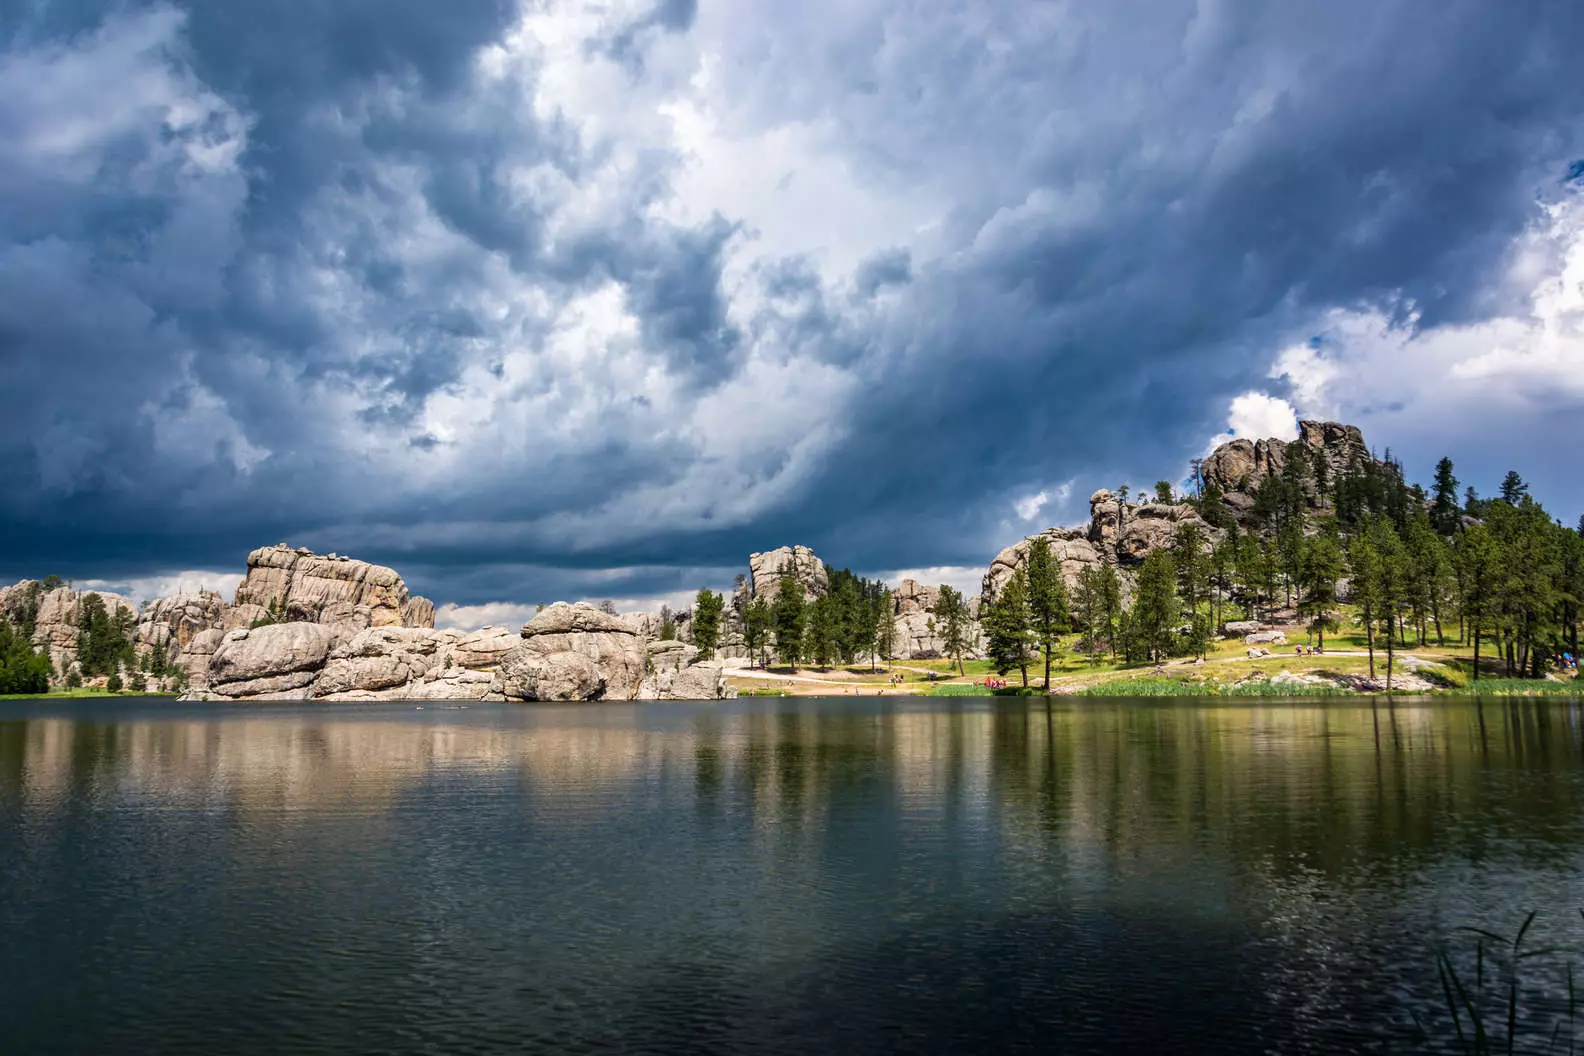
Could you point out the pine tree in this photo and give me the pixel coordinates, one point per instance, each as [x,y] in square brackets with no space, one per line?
[1155,611]
[1321,567]
[1049,611]
[1444,514]
[821,636]
[1513,488]
[1364,566]
[1193,579]
[1392,558]
[667,623]
[757,623]
[949,621]
[788,616]
[1009,637]
[1476,559]
[707,609]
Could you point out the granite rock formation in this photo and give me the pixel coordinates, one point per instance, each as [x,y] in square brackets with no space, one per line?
[574,652]
[331,589]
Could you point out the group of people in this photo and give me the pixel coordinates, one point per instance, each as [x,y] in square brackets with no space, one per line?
[1310,650]
[993,683]
[1568,662]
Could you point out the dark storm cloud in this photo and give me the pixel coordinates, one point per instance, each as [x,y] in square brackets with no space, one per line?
[199,356]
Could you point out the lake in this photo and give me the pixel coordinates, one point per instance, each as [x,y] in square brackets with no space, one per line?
[778,875]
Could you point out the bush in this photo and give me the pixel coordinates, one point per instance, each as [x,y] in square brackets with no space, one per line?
[113,683]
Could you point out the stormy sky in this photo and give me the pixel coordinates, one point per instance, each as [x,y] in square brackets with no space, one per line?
[593,298]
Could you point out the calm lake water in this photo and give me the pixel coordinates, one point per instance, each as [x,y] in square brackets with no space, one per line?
[778,875]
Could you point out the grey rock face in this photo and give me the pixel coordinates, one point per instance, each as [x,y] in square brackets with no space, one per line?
[573,652]
[280,661]
[330,589]
[768,568]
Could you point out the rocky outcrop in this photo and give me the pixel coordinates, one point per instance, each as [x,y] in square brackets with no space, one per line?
[330,589]
[1333,449]
[574,652]
[767,569]
[172,623]
[1072,549]
[1146,527]
[914,634]
[674,672]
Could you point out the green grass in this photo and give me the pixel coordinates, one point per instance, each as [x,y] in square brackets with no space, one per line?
[1522,687]
[74,694]
[1175,687]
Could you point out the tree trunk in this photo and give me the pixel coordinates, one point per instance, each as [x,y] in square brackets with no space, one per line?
[1474,629]
[1024,668]
[1047,666]
[1369,638]
[1391,653]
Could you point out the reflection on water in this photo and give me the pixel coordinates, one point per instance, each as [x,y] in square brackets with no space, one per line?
[802,874]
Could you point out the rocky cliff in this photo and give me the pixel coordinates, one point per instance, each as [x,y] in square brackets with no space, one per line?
[1239,466]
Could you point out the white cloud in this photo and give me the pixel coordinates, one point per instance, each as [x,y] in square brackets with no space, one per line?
[966,578]
[145,589]
[1257,416]
[1029,506]
[489,614]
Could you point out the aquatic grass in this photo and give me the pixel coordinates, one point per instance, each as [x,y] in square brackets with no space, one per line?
[1176,687]
[1521,687]
[1472,1019]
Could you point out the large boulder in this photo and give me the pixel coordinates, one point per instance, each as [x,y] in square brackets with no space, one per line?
[574,652]
[331,588]
[278,661]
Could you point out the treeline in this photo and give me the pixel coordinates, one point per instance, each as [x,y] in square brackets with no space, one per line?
[22,668]
[849,622]
[1412,564]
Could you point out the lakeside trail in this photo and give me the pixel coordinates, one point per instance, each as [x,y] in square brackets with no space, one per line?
[856,684]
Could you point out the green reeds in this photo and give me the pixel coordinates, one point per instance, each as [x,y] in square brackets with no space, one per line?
[1474,1026]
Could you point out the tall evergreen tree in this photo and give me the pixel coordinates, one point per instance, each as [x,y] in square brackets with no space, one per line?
[757,624]
[1445,516]
[1193,580]
[1155,610]
[1476,559]
[788,614]
[1513,488]
[1008,636]
[949,620]
[707,609]
[1049,610]
[1321,568]
[1364,566]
